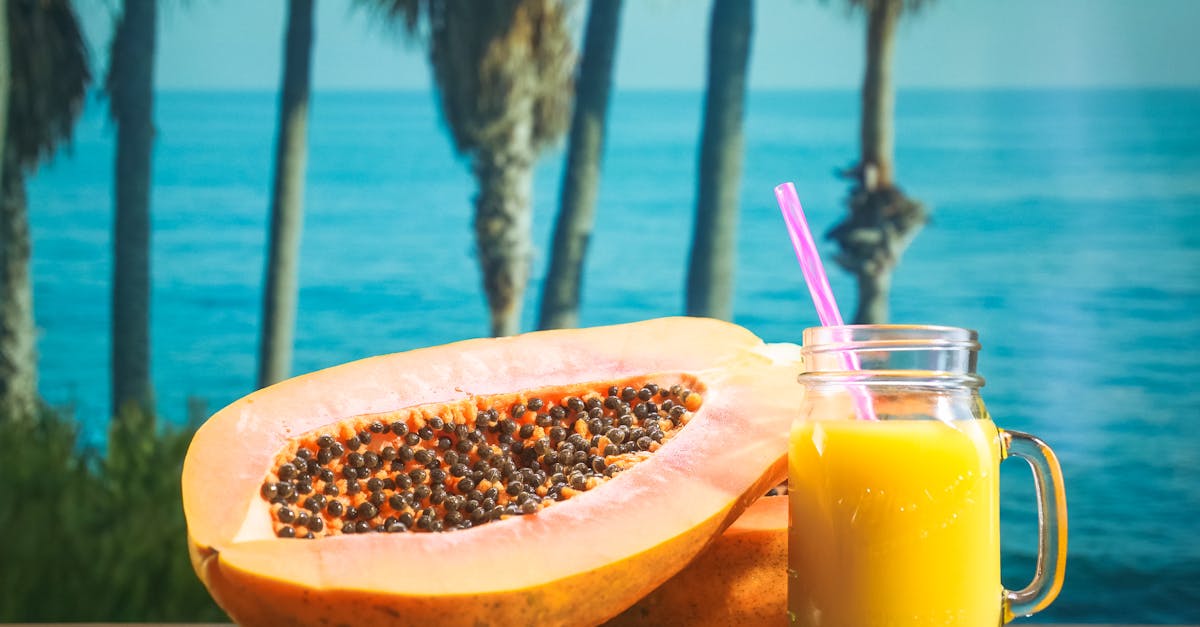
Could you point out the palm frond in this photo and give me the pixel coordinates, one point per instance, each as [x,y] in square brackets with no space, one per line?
[907,6]
[50,78]
[406,12]
[494,62]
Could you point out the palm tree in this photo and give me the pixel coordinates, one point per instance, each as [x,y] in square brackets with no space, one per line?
[503,71]
[882,221]
[287,199]
[130,87]
[48,70]
[713,254]
[581,177]
[5,83]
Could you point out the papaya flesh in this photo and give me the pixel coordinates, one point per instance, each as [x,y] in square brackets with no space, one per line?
[741,579]
[448,466]
[592,543]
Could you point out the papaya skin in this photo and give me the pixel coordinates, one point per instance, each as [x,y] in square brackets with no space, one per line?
[578,562]
[277,603]
[741,579]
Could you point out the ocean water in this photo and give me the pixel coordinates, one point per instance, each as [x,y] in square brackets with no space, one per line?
[1066,229]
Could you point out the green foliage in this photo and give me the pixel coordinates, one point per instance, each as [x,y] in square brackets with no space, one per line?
[905,5]
[89,537]
[497,65]
[50,77]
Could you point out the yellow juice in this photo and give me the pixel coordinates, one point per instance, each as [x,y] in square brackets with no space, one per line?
[894,522]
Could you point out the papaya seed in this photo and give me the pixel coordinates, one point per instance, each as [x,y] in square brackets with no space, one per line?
[506,462]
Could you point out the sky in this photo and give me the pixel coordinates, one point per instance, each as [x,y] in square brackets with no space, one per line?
[237,44]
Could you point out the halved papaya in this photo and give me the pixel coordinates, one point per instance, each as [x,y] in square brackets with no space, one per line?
[552,478]
[741,579]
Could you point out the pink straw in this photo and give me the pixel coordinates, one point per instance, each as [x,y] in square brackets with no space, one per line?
[818,281]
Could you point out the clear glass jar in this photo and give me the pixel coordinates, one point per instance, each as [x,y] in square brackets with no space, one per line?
[894,485]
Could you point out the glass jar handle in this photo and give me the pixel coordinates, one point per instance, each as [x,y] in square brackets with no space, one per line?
[1052,525]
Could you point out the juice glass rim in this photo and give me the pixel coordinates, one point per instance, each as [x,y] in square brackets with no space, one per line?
[839,338]
[936,355]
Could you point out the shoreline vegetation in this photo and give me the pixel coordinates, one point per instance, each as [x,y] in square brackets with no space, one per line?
[96,536]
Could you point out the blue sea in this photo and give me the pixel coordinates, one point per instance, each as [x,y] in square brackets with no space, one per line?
[1066,229]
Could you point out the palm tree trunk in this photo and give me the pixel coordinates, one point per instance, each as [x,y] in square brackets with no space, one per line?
[133,103]
[287,200]
[881,221]
[876,167]
[581,179]
[503,220]
[873,290]
[18,372]
[879,96]
[714,251]
[18,343]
